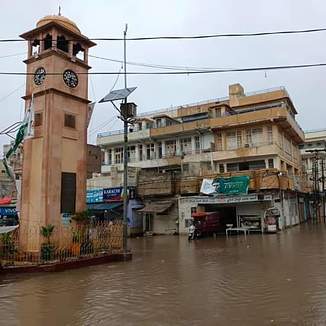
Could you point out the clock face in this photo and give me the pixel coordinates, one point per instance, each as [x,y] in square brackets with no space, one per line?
[39,75]
[70,78]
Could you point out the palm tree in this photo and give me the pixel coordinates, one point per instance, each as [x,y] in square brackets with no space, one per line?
[46,232]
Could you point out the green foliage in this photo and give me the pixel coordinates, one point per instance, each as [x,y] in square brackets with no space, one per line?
[47,251]
[77,236]
[46,232]
[82,217]
[8,244]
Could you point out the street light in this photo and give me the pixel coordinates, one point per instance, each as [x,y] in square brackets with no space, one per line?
[127,112]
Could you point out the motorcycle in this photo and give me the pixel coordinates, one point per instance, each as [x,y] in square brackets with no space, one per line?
[191,233]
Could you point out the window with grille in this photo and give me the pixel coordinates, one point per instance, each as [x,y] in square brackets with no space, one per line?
[131,153]
[70,121]
[170,147]
[150,151]
[256,135]
[118,155]
[218,141]
[239,138]
[271,163]
[231,140]
[185,144]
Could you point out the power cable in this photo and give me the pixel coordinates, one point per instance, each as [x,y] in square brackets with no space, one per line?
[224,70]
[153,65]
[301,31]
[12,92]
[12,55]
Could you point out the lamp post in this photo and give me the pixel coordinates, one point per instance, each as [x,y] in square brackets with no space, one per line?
[127,112]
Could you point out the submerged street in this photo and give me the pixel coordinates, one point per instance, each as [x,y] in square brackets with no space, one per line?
[264,280]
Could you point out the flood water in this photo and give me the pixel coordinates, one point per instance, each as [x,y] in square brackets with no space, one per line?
[264,280]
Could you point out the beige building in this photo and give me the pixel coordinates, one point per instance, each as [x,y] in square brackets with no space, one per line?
[255,134]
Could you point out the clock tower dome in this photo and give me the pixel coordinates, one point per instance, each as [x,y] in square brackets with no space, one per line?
[54,166]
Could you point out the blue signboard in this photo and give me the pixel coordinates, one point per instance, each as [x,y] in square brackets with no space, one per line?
[94,196]
[8,211]
[112,194]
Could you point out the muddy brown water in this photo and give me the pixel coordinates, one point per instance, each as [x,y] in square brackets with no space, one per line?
[264,280]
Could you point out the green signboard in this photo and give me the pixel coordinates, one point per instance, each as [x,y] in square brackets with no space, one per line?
[232,185]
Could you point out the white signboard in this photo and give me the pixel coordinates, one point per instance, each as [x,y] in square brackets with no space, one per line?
[223,199]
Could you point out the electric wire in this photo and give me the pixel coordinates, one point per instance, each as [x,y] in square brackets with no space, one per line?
[12,92]
[12,55]
[141,64]
[190,37]
[192,72]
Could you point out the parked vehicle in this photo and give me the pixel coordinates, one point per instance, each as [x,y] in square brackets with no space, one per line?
[207,223]
[271,220]
[192,232]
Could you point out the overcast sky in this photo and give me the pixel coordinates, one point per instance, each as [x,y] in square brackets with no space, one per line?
[106,18]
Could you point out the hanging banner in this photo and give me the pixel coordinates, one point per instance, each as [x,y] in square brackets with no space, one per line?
[94,196]
[226,186]
[8,211]
[112,194]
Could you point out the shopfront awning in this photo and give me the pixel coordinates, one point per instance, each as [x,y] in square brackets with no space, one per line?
[104,206]
[7,229]
[156,207]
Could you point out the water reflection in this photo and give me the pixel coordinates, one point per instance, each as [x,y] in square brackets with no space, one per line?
[264,280]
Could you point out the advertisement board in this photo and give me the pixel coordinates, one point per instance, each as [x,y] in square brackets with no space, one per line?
[226,186]
[94,196]
[112,194]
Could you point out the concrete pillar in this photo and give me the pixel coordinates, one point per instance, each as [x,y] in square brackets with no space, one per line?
[86,56]
[178,147]
[163,148]
[41,36]
[137,153]
[106,157]
[113,156]
[29,54]
[193,145]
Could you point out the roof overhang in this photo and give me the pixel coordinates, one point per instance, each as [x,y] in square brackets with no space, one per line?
[78,37]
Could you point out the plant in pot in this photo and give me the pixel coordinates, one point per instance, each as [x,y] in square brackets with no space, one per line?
[47,248]
[81,242]
[8,245]
[76,241]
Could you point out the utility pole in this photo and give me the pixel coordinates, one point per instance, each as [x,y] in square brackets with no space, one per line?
[125,148]
[317,194]
[127,112]
[323,185]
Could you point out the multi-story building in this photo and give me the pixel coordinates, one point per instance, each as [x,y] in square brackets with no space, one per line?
[313,153]
[176,148]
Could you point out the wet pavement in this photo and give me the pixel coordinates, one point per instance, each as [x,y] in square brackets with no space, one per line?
[264,280]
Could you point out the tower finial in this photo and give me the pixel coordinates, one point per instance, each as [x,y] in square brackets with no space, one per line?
[59,10]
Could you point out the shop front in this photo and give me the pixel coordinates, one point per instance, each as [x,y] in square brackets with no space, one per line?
[238,211]
[159,217]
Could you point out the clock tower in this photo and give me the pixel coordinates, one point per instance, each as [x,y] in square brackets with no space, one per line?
[54,165]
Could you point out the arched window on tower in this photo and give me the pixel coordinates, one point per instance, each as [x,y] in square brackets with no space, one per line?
[48,42]
[78,51]
[35,47]
[62,43]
